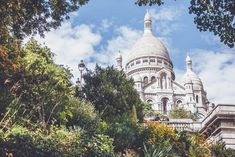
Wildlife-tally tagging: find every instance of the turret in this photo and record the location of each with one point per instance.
(119, 61)
(147, 23)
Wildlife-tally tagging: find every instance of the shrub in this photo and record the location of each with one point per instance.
(98, 146)
(79, 113)
(179, 113)
(220, 150)
(57, 142)
(155, 133)
(126, 134)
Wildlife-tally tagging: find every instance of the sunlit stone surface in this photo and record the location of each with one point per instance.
(151, 68)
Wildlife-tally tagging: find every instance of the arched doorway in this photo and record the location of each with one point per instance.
(164, 105)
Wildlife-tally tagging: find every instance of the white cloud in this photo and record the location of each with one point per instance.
(122, 42)
(105, 25)
(217, 71)
(165, 19)
(71, 44)
(210, 38)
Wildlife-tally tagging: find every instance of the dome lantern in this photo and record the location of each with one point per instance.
(189, 63)
(147, 23)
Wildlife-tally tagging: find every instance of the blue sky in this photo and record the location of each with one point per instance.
(101, 28)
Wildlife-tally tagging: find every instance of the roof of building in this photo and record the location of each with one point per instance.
(148, 44)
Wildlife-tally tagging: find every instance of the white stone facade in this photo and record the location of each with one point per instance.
(151, 68)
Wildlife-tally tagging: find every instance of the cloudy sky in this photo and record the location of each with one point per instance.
(102, 28)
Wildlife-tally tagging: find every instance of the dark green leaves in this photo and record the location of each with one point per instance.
(216, 16)
(26, 17)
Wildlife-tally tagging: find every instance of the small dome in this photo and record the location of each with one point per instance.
(119, 56)
(191, 77)
(148, 45)
(188, 59)
(147, 16)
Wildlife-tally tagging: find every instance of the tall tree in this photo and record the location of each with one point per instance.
(44, 86)
(111, 93)
(216, 16)
(20, 18)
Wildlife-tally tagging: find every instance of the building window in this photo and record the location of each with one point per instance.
(178, 103)
(132, 64)
(153, 78)
(196, 98)
(138, 62)
(152, 60)
(145, 60)
(145, 80)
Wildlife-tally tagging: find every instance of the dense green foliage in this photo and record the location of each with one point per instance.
(111, 93)
(43, 114)
(179, 113)
(216, 16)
(23, 142)
(219, 150)
(26, 17)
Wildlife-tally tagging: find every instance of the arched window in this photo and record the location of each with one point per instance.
(196, 98)
(145, 80)
(178, 103)
(153, 78)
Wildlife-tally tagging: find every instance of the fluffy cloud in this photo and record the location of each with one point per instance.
(217, 71)
(166, 19)
(122, 42)
(71, 44)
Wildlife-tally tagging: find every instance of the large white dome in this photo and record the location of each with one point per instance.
(148, 45)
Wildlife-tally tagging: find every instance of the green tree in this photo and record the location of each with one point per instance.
(44, 87)
(79, 113)
(20, 18)
(220, 150)
(133, 114)
(179, 113)
(111, 93)
(216, 16)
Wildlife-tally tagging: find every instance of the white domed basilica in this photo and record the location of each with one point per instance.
(151, 68)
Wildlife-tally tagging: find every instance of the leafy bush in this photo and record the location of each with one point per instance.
(126, 134)
(155, 133)
(159, 150)
(79, 113)
(98, 146)
(219, 150)
(179, 113)
(57, 142)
